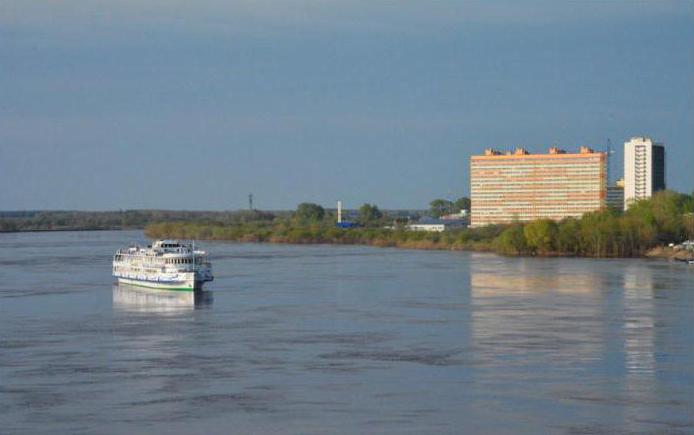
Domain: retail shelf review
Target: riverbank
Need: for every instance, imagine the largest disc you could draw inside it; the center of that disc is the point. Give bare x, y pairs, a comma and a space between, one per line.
495, 239
641, 231
666, 217
315, 234
667, 253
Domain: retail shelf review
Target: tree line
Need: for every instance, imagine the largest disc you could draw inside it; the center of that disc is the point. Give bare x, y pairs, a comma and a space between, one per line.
664, 218
367, 215
117, 220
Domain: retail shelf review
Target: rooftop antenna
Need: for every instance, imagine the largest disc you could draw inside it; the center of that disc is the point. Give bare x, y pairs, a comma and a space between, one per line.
450, 201
250, 201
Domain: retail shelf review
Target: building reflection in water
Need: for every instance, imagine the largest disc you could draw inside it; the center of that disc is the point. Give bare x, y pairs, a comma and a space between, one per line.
639, 344
639, 321
137, 299
580, 315
524, 277
530, 308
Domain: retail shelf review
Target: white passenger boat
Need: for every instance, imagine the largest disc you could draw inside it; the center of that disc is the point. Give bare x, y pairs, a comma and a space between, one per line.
166, 264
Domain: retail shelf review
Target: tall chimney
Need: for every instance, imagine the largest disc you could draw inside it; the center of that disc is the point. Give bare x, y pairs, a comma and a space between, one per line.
339, 212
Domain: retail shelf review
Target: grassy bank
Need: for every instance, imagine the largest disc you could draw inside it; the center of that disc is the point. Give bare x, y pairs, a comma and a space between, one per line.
288, 231
667, 217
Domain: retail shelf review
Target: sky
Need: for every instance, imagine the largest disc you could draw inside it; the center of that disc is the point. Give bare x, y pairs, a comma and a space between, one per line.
176, 104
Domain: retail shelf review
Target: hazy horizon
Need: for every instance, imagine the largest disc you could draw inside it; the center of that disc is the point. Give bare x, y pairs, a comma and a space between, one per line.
178, 106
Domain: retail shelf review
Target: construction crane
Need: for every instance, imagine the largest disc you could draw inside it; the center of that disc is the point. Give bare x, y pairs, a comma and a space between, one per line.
609, 153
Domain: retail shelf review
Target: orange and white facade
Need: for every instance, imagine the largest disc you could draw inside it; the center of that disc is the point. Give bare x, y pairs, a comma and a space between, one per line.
519, 186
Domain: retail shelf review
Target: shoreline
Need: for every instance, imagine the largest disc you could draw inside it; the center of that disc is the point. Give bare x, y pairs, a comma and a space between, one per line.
443, 242
658, 252
63, 230
667, 253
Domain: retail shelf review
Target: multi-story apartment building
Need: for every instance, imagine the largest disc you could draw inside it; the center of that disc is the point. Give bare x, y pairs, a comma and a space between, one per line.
519, 186
644, 169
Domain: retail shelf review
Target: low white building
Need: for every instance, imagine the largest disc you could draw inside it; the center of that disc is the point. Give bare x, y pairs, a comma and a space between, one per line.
461, 215
436, 225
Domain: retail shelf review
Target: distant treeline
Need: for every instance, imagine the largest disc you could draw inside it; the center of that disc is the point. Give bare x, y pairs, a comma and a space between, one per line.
118, 220
290, 231
666, 217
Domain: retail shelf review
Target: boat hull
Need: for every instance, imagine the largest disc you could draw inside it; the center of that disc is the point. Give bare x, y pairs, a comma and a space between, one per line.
188, 285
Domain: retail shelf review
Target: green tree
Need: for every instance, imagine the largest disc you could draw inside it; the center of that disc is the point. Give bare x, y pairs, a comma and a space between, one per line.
511, 241
462, 203
307, 211
599, 233
665, 212
541, 235
688, 221
567, 237
369, 214
440, 207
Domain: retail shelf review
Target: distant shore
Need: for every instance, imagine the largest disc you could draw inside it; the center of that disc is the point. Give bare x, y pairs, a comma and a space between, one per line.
668, 253
475, 240
642, 231
418, 241
316, 234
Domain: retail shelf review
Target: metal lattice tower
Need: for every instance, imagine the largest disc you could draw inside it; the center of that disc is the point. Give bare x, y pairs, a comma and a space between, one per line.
610, 152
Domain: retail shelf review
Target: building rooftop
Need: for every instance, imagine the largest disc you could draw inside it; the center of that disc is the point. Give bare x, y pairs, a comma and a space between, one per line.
553, 152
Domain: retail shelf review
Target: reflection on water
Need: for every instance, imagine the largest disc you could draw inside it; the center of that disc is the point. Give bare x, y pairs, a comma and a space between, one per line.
320, 339
572, 316
529, 309
137, 299
491, 279
639, 323
639, 343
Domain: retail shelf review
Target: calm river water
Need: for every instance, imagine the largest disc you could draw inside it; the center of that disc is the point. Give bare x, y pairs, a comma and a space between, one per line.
323, 339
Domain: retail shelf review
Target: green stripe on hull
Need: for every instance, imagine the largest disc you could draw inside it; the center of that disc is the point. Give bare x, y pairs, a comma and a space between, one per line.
141, 284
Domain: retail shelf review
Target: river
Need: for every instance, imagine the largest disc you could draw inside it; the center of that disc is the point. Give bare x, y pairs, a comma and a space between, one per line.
343, 339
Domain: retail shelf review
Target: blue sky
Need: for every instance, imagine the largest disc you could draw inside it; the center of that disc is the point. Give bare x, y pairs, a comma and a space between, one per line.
193, 105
